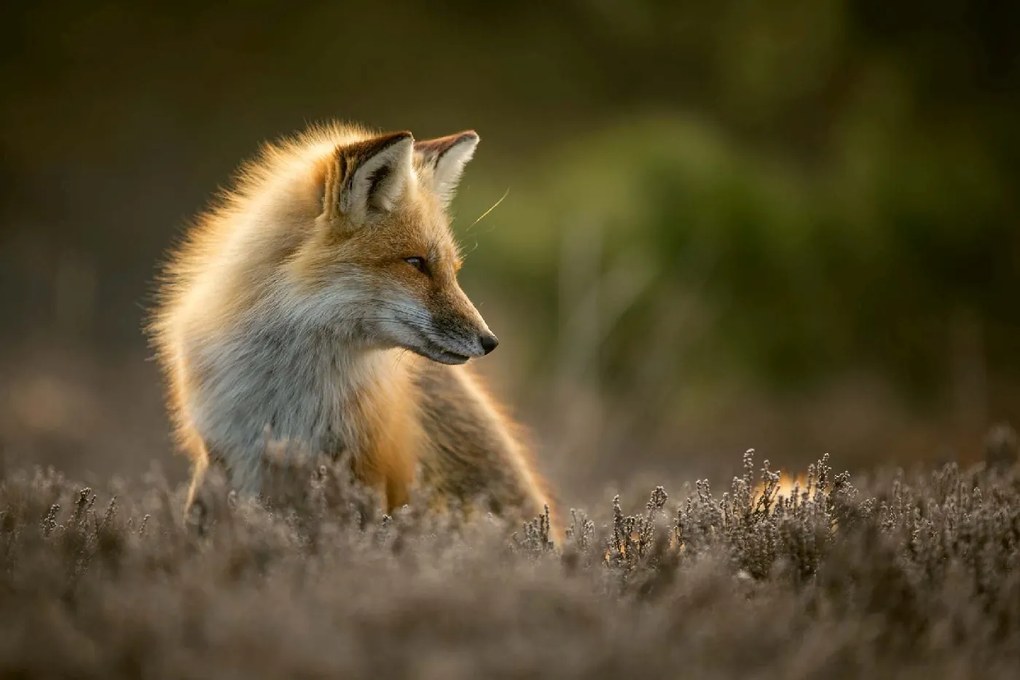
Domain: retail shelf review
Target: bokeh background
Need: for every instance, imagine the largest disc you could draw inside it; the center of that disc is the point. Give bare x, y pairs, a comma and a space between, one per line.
789, 225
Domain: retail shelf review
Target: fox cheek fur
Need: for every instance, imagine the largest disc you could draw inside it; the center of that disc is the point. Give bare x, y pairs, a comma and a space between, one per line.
386, 309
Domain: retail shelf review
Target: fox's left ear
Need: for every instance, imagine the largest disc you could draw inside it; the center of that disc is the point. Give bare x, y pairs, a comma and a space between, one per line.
447, 157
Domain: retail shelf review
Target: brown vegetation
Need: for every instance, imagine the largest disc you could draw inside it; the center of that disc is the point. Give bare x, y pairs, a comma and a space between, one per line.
910, 574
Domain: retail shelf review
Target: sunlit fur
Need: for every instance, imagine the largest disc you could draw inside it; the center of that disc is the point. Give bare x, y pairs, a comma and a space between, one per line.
288, 313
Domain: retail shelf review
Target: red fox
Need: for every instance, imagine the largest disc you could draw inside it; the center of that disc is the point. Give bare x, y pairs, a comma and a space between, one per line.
286, 313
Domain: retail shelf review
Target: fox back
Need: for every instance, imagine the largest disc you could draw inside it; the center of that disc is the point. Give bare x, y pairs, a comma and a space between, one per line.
306, 307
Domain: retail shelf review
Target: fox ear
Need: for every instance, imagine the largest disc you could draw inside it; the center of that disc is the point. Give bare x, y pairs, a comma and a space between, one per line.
368, 176
447, 157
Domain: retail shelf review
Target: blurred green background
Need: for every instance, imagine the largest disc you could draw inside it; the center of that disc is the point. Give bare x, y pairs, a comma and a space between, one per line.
788, 225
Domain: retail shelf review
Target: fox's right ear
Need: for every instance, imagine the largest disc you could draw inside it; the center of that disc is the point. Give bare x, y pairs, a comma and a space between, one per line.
447, 157
368, 176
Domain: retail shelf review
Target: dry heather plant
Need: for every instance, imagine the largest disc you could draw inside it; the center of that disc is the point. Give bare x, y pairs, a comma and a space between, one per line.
907, 574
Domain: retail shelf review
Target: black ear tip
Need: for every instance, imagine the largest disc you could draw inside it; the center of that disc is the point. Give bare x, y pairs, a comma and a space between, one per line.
392, 138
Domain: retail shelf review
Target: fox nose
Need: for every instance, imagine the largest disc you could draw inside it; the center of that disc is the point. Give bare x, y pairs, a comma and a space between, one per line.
489, 342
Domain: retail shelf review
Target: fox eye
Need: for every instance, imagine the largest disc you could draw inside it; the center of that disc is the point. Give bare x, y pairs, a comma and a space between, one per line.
418, 263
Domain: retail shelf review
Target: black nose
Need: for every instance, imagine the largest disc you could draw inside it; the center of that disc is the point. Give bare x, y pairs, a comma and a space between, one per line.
489, 342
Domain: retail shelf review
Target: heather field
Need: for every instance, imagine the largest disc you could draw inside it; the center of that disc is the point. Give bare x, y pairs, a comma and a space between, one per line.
901, 574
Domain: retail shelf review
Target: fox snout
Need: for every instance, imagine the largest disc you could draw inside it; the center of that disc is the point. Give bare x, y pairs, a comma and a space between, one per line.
458, 335
446, 327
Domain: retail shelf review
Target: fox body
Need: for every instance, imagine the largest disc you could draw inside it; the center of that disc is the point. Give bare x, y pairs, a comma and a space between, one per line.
288, 312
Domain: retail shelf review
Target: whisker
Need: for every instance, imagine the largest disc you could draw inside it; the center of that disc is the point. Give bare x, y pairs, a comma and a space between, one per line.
494, 206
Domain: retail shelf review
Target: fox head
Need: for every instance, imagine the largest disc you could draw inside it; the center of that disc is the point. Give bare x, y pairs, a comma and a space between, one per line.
382, 259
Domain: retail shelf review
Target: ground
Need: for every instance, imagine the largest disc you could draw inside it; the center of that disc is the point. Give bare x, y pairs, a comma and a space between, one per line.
906, 574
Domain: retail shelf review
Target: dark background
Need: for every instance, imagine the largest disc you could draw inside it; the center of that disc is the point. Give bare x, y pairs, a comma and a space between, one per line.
788, 225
